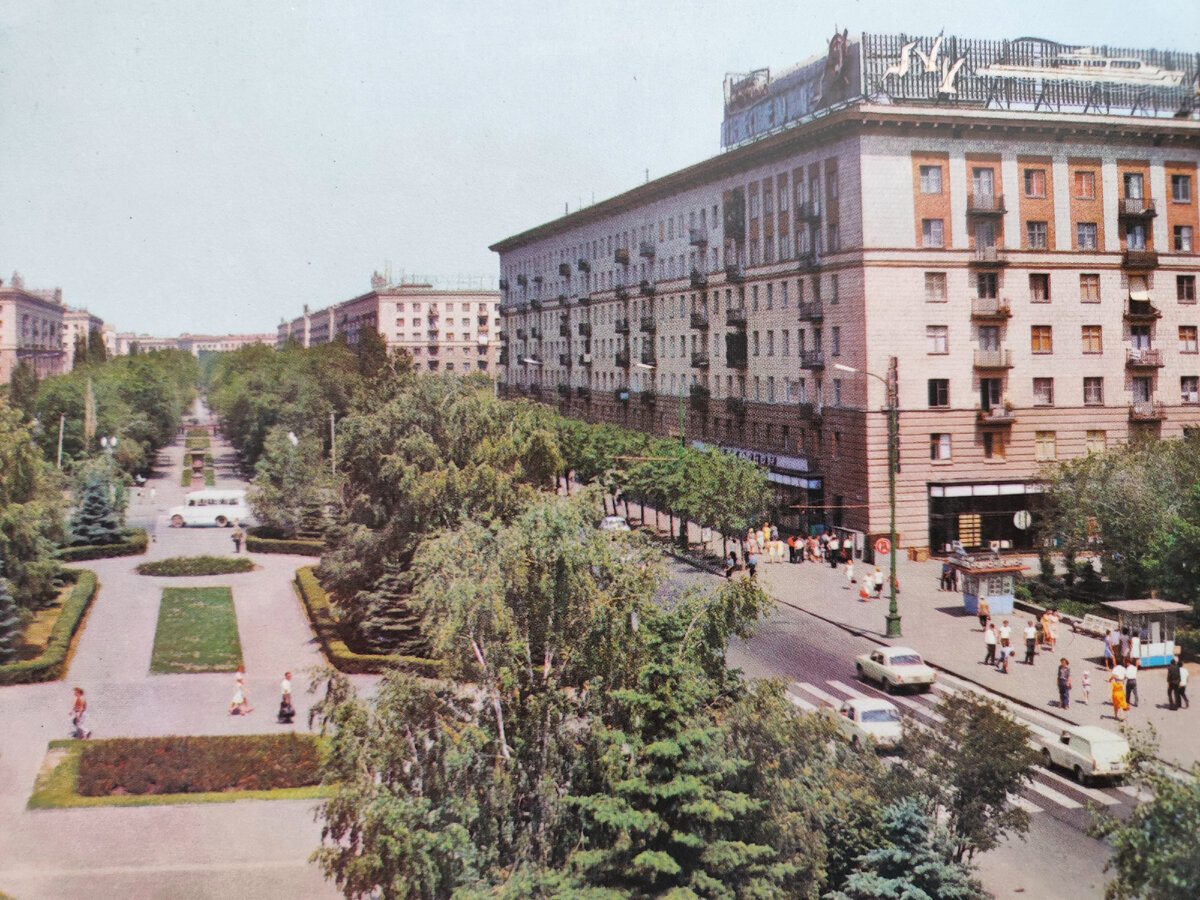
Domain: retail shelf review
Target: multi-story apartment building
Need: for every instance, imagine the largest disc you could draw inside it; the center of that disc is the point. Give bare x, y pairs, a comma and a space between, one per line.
31, 329
78, 324
1013, 224
443, 330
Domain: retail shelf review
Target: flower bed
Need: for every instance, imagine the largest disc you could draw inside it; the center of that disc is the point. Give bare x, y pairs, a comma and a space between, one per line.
52, 664
196, 565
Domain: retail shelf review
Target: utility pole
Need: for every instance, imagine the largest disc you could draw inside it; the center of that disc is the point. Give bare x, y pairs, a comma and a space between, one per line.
332, 448
893, 402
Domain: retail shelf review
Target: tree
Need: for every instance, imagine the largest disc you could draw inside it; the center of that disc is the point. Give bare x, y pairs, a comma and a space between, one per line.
11, 625
914, 864
97, 352
98, 516
966, 770
290, 478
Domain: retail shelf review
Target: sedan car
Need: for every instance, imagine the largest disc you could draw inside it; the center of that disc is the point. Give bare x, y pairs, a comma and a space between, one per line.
865, 719
614, 523
894, 668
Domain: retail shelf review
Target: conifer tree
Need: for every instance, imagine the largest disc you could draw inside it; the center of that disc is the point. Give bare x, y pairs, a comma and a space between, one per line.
97, 520
10, 622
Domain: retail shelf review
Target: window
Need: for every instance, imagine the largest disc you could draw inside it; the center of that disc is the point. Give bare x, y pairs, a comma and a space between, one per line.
1089, 287
937, 339
1097, 442
1187, 339
931, 233
1087, 235
1183, 238
1040, 339
931, 179
1185, 288
939, 392
755, 340
983, 184
1142, 388
770, 343
939, 446
1091, 339
1085, 185
1189, 389
987, 285
935, 287
1181, 188
1039, 287
787, 342
1139, 337
834, 291
989, 337
1093, 390
837, 392
1043, 392
1134, 186
993, 445
835, 341
1135, 237
1035, 182
1035, 235
1045, 445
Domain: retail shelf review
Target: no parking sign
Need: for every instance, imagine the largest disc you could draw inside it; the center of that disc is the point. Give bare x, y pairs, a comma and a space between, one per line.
883, 546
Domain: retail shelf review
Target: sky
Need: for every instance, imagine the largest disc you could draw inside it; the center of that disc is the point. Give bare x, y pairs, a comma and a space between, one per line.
211, 168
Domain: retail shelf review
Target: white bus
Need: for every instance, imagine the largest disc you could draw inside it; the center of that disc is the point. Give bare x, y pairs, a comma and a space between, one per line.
211, 506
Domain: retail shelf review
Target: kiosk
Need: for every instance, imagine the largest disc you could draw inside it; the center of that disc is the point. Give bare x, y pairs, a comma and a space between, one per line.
1153, 621
986, 575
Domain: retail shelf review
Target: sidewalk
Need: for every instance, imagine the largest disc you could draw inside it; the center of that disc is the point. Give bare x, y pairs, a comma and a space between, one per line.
934, 623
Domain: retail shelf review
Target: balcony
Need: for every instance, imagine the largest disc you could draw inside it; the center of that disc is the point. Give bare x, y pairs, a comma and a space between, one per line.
808, 211
699, 396
521, 334
433, 334
585, 299
584, 266
1136, 208
432, 349
1139, 259
562, 299
564, 330
988, 258
699, 279
564, 360
812, 359
522, 281
621, 256
585, 359
700, 321
812, 311
699, 359
535, 333
985, 205
483, 319
736, 406
810, 411
585, 329
648, 325
1147, 411
622, 292
808, 262
504, 356
1143, 358
735, 273
646, 249
647, 288
622, 359
1141, 311
997, 415
993, 359
736, 356
990, 308
564, 269
648, 358
535, 302
736, 318
621, 326
698, 237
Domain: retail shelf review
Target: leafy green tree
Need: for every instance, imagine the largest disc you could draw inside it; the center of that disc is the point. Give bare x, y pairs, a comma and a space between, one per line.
79, 356
916, 863
97, 352
967, 769
11, 625
23, 389
291, 483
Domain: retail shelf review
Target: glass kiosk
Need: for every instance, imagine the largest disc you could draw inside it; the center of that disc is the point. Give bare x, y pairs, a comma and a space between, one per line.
1153, 621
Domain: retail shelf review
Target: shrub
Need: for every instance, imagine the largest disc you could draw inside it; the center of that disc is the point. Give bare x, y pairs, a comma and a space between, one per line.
299, 546
186, 478
135, 543
196, 565
316, 601
210, 477
52, 664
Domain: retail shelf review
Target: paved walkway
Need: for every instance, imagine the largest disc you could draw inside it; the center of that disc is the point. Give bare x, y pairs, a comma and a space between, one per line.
241, 849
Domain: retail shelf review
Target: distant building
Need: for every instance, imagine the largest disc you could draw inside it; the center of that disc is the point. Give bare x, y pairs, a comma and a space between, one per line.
78, 323
443, 330
31, 329
222, 343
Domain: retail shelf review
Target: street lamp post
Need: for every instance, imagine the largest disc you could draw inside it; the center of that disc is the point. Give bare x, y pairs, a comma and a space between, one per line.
893, 410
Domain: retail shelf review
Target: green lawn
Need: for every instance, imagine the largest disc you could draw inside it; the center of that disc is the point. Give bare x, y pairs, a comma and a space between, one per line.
197, 631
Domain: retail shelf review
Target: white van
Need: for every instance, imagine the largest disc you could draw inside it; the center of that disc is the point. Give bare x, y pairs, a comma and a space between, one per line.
211, 506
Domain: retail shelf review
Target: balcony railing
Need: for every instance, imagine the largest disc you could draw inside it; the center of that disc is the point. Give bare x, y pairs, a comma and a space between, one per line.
735, 273
808, 211
1139, 259
621, 292
564, 359
699, 359
736, 405
700, 320
1141, 310
812, 311
621, 256
647, 288
807, 262
646, 249
648, 325
1137, 208
697, 237
990, 308
585, 299
622, 359
584, 265
1143, 358
649, 358
985, 205
809, 410
989, 257
997, 415
736, 317
564, 269
812, 359
699, 279
993, 359
621, 326
1147, 411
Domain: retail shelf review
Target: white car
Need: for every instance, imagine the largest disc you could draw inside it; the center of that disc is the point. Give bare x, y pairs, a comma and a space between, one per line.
1088, 751
614, 523
895, 667
865, 719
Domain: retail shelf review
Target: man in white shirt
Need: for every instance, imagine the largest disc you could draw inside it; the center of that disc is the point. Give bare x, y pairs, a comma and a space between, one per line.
1030, 642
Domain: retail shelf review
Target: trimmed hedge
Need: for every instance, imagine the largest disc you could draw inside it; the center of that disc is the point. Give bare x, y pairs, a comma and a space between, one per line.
135, 545
298, 546
196, 565
341, 657
52, 664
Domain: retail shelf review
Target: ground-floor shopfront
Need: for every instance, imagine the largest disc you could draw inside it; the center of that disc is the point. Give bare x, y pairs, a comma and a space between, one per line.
982, 516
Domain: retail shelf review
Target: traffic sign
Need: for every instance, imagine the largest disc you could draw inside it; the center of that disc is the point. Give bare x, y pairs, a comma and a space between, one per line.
883, 546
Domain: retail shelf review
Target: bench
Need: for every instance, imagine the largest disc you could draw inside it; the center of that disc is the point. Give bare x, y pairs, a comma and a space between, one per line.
1095, 625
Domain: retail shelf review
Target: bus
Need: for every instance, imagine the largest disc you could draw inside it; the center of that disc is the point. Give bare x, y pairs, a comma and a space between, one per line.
221, 507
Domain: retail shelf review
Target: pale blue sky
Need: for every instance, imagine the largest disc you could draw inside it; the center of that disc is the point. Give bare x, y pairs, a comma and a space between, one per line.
212, 167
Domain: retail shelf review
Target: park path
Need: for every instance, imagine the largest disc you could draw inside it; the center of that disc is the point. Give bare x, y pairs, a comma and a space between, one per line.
241, 849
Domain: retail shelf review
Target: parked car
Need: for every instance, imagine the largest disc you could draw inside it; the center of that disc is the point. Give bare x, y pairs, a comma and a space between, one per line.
614, 523
866, 719
895, 667
222, 507
1089, 752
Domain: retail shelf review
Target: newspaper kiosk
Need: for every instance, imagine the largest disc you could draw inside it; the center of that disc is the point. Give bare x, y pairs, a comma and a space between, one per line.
1153, 621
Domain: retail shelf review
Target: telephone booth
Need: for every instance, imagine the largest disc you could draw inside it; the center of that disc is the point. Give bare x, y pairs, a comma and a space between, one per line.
1153, 621
986, 576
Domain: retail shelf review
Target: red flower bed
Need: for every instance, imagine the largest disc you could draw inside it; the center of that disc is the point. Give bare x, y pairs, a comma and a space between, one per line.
192, 765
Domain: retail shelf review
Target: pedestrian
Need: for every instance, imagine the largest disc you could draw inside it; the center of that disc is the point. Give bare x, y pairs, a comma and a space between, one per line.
791, 542
1085, 683
1108, 652
946, 575
1173, 679
730, 564
1131, 673
1064, 683
79, 727
985, 612
989, 644
1113, 639
287, 712
1030, 642
1006, 654
1180, 692
240, 704
1050, 628
1135, 647
1119, 703
1124, 645
752, 563
1005, 634
878, 583
237, 536
850, 572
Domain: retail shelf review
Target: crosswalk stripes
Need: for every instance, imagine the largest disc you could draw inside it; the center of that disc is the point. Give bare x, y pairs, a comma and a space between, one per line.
1050, 794
1091, 793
